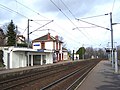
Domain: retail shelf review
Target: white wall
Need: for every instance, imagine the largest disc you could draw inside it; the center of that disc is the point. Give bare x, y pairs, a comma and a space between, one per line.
18, 60
65, 56
5, 52
18, 57
49, 45
49, 58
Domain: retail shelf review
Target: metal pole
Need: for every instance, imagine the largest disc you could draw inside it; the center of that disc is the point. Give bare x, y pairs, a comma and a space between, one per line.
112, 55
73, 55
83, 52
28, 34
116, 61
16, 36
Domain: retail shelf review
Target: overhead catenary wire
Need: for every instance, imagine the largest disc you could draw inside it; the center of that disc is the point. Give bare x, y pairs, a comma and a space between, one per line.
34, 12
75, 17
14, 11
11, 10
63, 13
31, 9
66, 32
17, 11
93, 24
87, 18
41, 27
69, 18
68, 9
94, 16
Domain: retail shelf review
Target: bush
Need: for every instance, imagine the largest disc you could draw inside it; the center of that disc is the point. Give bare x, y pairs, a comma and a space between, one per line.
1, 59
22, 45
2, 65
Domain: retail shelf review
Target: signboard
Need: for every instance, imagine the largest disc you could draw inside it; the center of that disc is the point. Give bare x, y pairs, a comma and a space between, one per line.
40, 50
36, 45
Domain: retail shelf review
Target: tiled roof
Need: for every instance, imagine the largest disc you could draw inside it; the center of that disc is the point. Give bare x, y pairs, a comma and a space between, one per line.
46, 37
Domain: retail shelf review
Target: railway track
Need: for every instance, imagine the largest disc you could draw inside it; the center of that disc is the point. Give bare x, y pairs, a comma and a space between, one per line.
73, 78
50, 78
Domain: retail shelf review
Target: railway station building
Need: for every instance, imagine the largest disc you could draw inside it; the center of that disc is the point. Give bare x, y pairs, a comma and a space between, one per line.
45, 50
15, 57
48, 42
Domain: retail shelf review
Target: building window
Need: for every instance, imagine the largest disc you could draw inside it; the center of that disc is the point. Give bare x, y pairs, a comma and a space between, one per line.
43, 45
56, 45
59, 46
8, 60
36, 59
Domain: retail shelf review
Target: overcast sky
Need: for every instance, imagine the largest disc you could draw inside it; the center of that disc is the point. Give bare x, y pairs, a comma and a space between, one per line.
64, 12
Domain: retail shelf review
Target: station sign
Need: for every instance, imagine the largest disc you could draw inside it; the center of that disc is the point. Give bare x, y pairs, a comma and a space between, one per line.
36, 45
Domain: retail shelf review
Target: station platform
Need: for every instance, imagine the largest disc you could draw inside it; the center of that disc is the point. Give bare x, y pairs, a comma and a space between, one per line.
102, 77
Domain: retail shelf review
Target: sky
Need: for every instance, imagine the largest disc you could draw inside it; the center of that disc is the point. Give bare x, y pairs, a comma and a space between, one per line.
66, 16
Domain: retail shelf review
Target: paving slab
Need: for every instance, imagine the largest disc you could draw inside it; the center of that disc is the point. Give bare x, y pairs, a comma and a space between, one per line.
102, 77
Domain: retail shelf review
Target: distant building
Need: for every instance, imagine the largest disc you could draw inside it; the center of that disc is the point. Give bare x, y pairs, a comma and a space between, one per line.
76, 56
48, 42
20, 39
65, 54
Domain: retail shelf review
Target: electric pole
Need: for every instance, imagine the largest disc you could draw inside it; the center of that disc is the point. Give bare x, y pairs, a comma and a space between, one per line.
111, 40
28, 41
16, 35
28, 34
112, 50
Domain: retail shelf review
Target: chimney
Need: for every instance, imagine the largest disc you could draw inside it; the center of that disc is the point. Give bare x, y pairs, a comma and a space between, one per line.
48, 36
56, 37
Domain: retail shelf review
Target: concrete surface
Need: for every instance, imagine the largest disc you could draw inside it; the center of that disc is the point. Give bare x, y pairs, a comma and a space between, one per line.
102, 77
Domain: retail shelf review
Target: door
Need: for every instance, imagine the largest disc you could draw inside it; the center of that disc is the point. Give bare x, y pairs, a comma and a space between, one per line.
21, 61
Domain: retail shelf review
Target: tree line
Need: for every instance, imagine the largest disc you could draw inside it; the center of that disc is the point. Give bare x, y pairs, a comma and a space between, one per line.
91, 52
7, 39
9, 35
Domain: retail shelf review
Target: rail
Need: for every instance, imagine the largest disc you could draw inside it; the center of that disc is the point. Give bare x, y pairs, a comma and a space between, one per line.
21, 80
86, 69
